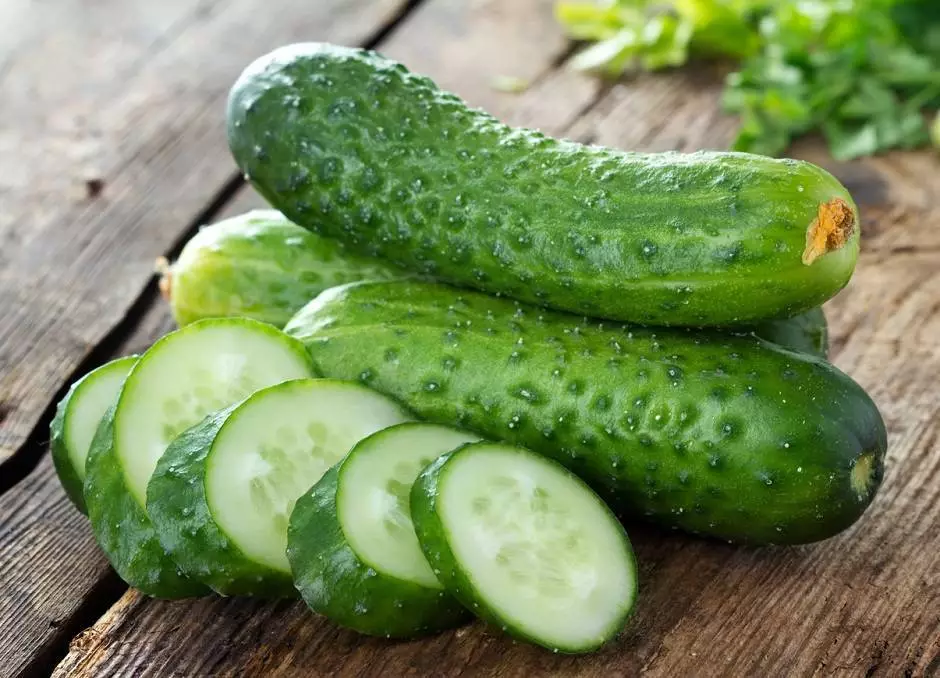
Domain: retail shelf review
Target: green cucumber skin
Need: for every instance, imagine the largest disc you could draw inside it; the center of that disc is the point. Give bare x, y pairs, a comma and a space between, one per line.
354, 147
805, 333
720, 435
179, 510
68, 476
262, 266
334, 582
433, 539
123, 530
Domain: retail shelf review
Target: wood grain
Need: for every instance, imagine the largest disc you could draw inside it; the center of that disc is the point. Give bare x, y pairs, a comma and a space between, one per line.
866, 603
163, 160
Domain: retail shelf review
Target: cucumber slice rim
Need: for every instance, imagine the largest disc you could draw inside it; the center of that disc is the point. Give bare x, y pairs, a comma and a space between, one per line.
137, 475
217, 492
494, 607
393, 502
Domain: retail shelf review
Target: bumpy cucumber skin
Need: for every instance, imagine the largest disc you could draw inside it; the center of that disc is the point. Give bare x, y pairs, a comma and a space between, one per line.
806, 333
262, 266
728, 436
179, 510
68, 476
334, 582
123, 530
434, 542
353, 146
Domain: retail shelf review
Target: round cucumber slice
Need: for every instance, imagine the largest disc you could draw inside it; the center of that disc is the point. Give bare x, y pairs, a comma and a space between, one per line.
76, 420
188, 374
525, 545
222, 493
351, 544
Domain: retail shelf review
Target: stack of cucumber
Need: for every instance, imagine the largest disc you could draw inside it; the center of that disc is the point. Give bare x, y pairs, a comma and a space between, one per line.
512, 343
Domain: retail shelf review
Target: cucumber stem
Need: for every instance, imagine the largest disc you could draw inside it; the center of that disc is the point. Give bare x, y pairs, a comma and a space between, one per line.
162, 266
831, 229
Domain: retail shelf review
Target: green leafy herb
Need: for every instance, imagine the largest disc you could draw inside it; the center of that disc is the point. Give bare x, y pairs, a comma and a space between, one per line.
860, 71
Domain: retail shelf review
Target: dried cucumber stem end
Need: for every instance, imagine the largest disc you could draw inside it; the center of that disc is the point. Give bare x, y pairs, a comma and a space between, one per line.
864, 477
162, 266
831, 229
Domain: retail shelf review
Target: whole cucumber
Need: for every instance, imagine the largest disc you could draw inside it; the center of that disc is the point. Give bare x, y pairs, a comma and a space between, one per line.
258, 265
728, 436
262, 266
353, 146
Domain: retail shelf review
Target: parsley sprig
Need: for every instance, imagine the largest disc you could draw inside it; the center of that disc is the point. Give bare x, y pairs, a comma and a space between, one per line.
862, 72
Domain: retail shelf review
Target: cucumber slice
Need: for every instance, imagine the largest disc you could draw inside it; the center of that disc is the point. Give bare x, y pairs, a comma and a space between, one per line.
525, 545
351, 544
183, 377
222, 493
76, 419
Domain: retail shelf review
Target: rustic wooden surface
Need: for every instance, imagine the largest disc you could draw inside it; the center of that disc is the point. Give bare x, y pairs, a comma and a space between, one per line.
130, 93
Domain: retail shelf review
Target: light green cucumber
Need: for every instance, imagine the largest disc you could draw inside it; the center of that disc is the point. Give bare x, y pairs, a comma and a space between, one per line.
258, 265
222, 493
806, 333
185, 376
526, 546
728, 436
76, 419
351, 544
352, 146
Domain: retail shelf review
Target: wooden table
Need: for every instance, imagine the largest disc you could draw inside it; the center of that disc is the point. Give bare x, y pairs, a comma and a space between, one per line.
112, 152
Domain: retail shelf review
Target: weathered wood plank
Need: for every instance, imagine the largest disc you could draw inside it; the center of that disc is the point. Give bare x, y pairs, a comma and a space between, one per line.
865, 603
163, 159
53, 578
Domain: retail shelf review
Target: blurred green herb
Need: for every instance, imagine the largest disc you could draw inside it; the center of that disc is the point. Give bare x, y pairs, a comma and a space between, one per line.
862, 72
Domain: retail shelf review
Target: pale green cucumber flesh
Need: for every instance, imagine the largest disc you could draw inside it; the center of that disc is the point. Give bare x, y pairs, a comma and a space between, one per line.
385, 162
183, 377
351, 544
222, 493
526, 545
77, 418
259, 265
372, 498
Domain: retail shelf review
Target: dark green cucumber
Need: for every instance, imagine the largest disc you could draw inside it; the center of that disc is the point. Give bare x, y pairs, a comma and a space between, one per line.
259, 265
76, 420
351, 544
729, 436
526, 545
353, 146
222, 493
805, 333
262, 266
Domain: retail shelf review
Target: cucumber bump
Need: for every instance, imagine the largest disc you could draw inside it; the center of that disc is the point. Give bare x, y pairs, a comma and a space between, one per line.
383, 161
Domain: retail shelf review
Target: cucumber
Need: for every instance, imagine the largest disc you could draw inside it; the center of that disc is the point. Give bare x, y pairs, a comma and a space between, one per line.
183, 377
222, 493
351, 544
258, 265
728, 436
526, 545
805, 333
76, 419
262, 266
354, 147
